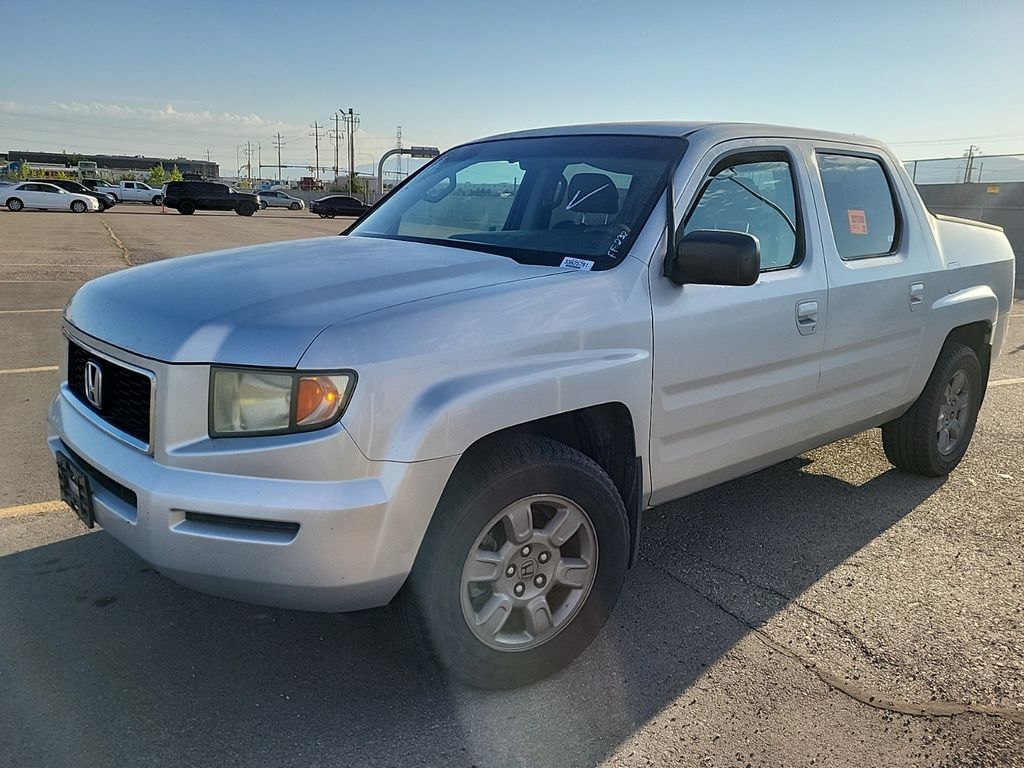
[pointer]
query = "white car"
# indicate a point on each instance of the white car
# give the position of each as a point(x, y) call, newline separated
point(277, 199)
point(45, 197)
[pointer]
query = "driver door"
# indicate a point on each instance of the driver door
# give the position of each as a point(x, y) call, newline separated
point(736, 367)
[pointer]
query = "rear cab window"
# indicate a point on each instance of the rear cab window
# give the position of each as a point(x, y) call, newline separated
point(862, 209)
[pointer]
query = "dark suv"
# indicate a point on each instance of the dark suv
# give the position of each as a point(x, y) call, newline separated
point(187, 197)
point(104, 199)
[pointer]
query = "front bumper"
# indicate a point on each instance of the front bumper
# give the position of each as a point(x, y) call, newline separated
point(339, 543)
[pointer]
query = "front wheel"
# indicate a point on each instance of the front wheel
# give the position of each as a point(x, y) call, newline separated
point(157, 199)
point(294, 207)
point(521, 565)
point(14, 204)
point(263, 205)
point(932, 437)
point(78, 206)
point(246, 209)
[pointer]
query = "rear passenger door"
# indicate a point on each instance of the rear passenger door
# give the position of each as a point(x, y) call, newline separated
point(736, 367)
point(880, 283)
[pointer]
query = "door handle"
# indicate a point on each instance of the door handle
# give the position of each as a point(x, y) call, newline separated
point(916, 295)
point(807, 317)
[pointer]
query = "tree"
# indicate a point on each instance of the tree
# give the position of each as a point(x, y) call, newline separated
point(24, 171)
point(157, 176)
point(175, 174)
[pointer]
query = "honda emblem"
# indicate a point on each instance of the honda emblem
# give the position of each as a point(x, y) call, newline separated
point(94, 383)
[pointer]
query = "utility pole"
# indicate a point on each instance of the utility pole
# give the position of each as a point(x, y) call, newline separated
point(337, 144)
point(248, 160)
point(351, 121)
point(398, 146)
point(316, 146)
point(208, 159)
point(279, 142)
point(971, 151)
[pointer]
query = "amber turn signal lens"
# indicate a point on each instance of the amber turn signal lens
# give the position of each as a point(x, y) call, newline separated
point(318, 399)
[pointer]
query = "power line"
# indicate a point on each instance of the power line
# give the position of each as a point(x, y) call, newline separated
point(994, 137)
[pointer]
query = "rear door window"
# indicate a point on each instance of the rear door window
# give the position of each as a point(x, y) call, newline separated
point(861, 206)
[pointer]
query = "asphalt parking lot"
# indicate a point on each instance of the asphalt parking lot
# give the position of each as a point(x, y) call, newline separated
point(829, 610)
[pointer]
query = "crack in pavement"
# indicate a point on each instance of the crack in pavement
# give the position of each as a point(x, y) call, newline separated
point(845, 631)
point(863, 695)
point(120, 246)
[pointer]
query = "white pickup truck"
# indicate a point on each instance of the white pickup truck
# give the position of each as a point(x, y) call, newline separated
point(469, 401)
point(135, 192)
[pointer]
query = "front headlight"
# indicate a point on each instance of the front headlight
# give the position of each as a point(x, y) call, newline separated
point(248, 401)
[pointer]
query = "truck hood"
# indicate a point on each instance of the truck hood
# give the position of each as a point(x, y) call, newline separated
point(264, 305)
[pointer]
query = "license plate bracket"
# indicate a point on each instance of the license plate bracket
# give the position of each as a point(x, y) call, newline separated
point(75, 490)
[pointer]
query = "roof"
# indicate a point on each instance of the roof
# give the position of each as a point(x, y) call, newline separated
point(720, 131)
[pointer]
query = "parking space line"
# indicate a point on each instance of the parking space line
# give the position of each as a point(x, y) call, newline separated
point(1005, 382)
point(39, 508)
point(38, 369)
point(26, 311)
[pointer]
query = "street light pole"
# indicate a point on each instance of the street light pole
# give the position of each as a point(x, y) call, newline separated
point(415, 152)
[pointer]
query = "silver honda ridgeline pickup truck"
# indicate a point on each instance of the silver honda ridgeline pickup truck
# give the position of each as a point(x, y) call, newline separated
point(468, 401)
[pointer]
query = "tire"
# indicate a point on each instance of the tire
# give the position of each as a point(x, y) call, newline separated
point(263, 205)
point(116, 199)
point(14, 204)
point(77, 206)
point(246, 209)
point(473, 526)
point(157, 199)
point(186, 207)
point(294, 207)
point(932, 437)
point(322, 215)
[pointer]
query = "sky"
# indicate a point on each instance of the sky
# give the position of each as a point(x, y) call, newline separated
point(181, 78)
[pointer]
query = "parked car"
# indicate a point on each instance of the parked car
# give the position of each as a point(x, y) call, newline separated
point(275, 199)
point(102, 186)
point(187, 197)
point(137, 192)
point(44, 196)
point(104, 199)
point(468, 401)
point(337, 205)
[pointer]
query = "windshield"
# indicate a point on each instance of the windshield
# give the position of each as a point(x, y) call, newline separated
point(536, 200)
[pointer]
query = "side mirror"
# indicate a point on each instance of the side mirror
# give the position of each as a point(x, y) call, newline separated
point(716, 257)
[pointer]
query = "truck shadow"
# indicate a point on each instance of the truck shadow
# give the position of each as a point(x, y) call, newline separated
point(104, 661)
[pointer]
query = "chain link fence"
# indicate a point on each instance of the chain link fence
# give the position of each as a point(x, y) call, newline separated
point(979, 169)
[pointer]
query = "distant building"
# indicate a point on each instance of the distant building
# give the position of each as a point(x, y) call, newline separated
point(118, 164)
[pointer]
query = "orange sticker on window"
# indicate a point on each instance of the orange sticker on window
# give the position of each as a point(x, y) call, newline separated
point(858, 222)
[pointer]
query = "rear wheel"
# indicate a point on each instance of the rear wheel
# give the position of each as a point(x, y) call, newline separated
point(186, 207)
point(521, 565)
point(932, 437)
point(78, 206)
point(14, 204)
